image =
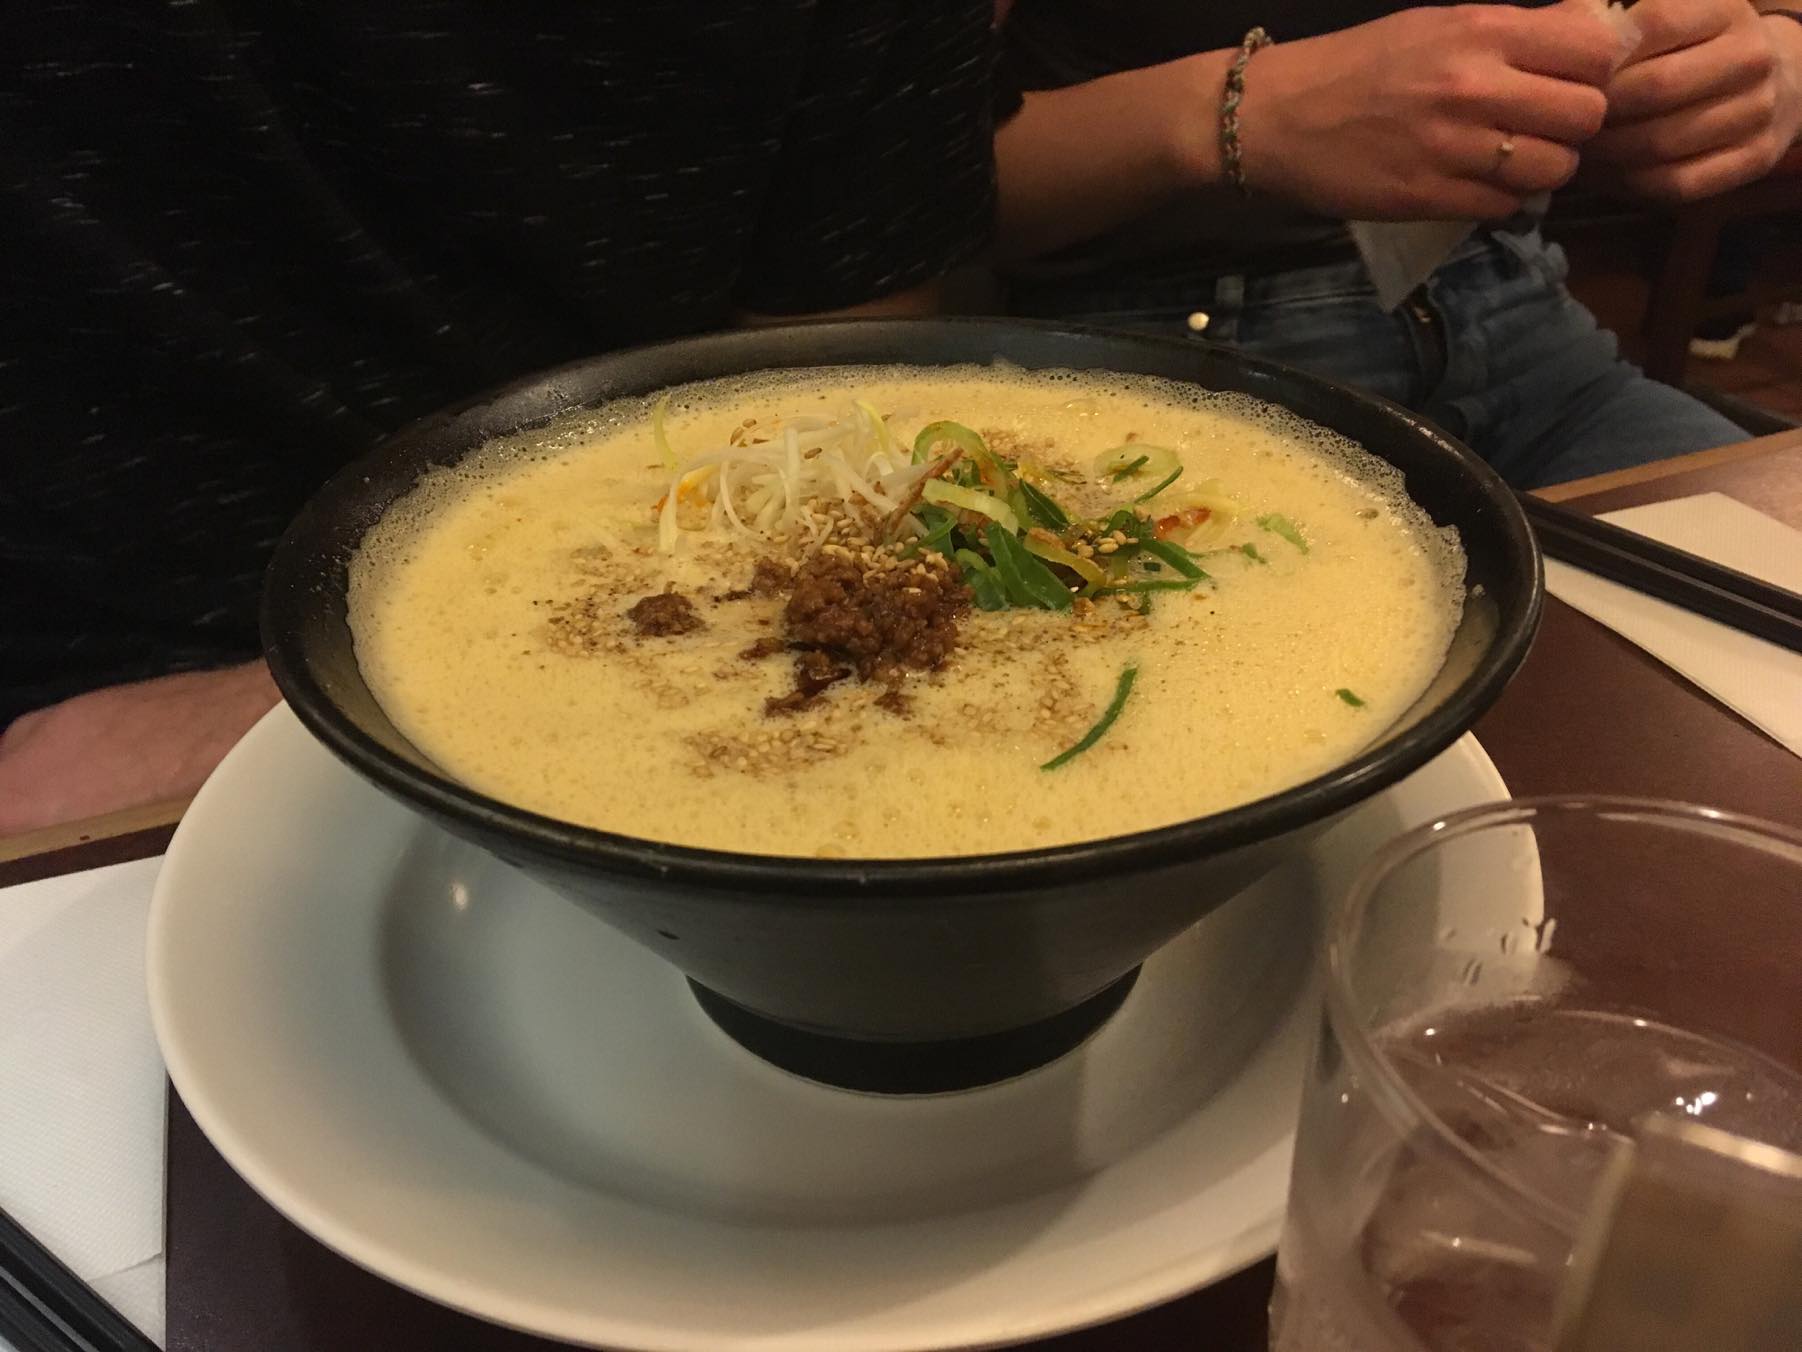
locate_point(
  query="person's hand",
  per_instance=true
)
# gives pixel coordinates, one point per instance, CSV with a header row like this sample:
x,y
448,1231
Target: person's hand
x,y
125,745
1406,117
1711,99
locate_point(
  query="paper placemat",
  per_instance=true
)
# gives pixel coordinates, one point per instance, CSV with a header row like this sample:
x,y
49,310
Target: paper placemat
x,y
81,1082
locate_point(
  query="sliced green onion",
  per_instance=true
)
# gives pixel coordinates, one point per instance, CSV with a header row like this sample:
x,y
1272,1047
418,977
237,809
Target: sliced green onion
x,y
660,438
1028,581
1013,582
1176,556
1083,568
1349,698
954,432
1036,469
1130,524
973,500
1168,479
985,587
1042,509
1283,526
1123,462
1017,500
1251,552
1122,688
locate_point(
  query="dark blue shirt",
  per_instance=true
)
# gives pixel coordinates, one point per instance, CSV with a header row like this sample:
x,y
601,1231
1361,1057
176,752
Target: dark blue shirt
x,y
244,240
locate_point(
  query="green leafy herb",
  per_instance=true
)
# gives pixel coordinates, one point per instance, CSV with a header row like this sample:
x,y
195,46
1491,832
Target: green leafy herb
x,y
1028,581
1251,552
1164,483
1349,698
939,524
1130,524
1042,509
1283,526
1176,556
1131,468
1052,552
985,587
1122,689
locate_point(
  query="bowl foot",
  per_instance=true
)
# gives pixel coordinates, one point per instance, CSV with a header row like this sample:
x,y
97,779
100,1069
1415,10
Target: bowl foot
x,y
913,1067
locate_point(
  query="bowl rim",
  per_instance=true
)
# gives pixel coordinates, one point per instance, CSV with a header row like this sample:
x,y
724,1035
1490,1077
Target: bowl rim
x,y
922,880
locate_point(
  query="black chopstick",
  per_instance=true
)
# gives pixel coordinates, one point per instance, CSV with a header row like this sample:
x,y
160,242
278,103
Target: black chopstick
x,y
1727,595
28,1329
44,1307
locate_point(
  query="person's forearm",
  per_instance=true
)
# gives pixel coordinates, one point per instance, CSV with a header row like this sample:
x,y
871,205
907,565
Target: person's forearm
x,y
1076,162
124,745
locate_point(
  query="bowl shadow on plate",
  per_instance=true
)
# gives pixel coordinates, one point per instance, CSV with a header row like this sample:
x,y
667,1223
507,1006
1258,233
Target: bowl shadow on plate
x,y
569,1044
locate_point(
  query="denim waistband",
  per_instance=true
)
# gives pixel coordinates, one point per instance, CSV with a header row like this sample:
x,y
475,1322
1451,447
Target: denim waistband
x,y
1174,290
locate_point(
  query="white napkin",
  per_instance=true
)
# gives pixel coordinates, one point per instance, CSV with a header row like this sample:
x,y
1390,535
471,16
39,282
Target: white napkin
x,y
81,1082
1400,255
1759,680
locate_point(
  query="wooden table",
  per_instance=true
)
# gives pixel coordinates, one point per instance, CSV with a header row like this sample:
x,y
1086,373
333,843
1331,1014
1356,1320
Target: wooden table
x,y
1589,711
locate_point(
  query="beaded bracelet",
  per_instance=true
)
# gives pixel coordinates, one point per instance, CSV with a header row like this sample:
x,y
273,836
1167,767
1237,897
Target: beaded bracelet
x,y
1256,39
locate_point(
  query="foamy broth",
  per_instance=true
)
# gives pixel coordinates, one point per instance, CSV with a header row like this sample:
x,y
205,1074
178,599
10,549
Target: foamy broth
x,y
488,610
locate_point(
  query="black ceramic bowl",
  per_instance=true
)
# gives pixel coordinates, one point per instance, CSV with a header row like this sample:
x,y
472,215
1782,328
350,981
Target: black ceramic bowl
x,y
909,974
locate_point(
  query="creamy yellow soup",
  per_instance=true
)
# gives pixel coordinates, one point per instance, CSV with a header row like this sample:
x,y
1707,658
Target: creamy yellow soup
x,y
493,614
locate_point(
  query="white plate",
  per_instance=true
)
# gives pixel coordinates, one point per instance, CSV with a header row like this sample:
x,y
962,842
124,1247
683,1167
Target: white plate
x,y
477,1090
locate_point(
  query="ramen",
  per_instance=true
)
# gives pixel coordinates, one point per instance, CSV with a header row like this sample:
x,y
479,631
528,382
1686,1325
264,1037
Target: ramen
x,y
903,612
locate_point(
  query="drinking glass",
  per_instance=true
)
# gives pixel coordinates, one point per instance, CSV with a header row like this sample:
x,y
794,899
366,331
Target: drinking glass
x,y
1510,992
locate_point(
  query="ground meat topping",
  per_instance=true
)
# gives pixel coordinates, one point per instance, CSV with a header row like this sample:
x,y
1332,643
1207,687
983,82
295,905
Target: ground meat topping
x,y
863,611
762,648
770,577
814,671
664,613
877,611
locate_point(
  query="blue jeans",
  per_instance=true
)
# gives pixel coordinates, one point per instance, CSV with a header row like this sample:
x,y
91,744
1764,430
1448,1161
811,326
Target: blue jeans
x,y
1500,355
